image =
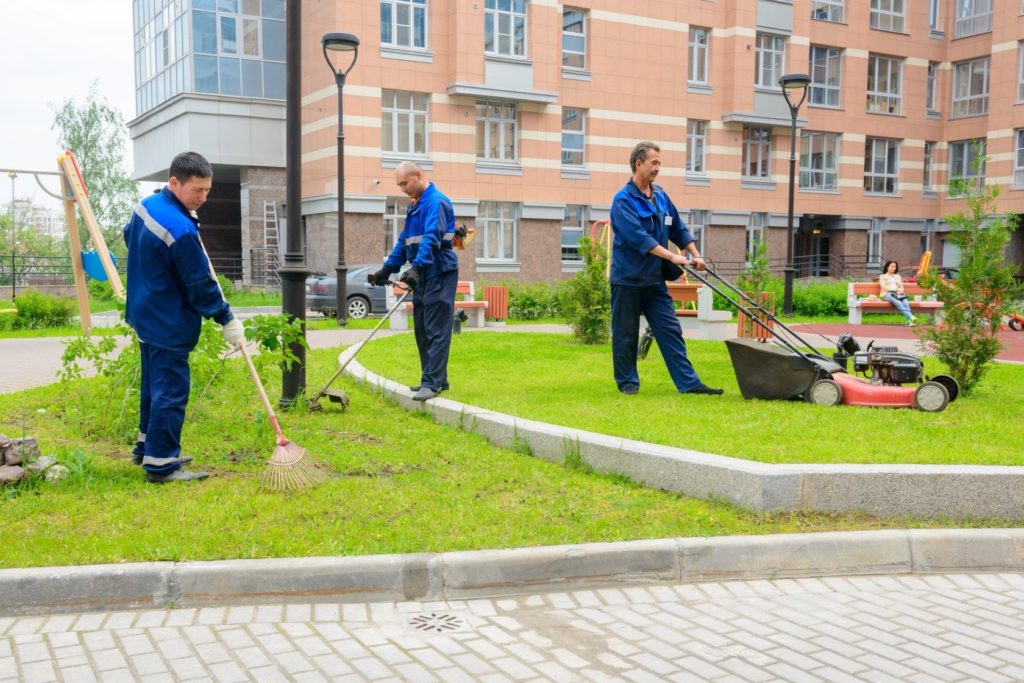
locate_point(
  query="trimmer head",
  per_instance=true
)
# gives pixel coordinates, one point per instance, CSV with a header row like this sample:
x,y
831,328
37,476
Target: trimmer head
x,y
333,395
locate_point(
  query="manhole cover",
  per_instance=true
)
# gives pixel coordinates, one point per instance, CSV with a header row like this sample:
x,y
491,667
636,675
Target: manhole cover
x,y
437,622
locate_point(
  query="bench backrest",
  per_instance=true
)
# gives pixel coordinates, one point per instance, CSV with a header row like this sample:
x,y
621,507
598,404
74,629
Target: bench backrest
x,y
684,292
463,291
865,288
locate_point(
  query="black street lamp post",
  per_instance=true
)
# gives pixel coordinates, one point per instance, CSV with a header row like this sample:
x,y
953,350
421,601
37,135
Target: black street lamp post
x,y
791,82
341,42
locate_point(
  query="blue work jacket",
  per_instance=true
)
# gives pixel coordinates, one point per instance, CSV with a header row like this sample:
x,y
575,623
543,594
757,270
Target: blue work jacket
x,y
639,226
426,241
171,286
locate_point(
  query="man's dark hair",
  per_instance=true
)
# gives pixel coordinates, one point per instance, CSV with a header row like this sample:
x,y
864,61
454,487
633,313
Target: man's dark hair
x,y
640,153
190,165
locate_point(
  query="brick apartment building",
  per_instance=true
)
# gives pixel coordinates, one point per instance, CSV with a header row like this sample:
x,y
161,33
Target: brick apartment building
x,y
524,113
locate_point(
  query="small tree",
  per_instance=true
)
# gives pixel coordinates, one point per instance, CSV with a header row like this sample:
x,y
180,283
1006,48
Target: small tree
x,y
755,275
95,133
588,297
983,292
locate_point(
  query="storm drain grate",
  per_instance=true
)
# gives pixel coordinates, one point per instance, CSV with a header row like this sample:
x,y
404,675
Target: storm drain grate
x,y
437,622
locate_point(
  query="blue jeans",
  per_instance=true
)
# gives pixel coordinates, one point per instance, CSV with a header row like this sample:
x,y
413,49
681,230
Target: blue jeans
x,y
655,304
901,306
432,314
166,382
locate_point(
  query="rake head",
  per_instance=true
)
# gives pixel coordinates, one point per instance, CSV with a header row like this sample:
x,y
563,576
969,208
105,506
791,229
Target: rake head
x,y
292,468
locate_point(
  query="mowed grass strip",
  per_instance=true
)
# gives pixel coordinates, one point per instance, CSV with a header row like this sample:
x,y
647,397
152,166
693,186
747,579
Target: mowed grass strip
x,y
401,482
551,378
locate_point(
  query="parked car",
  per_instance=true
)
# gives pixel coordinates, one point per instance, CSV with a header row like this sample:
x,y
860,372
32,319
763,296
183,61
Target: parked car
x,y
363,298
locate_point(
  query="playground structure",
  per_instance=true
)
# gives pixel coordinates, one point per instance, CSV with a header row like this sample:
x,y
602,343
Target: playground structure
x,y
98,262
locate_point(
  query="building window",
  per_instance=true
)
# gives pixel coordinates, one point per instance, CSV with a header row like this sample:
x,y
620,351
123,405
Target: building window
x,y
966,165
970,88
395,209
574,136
696,146
699,39
884,76
933,15
697,224
496,131
827,10
404,122
881,165
505,28
825,68
757,152
769,60
496,231
574,39
887,15
403,23
875,244
755,233
972,17
929,92
1020,71
819,168
926,174
574,227
1018,165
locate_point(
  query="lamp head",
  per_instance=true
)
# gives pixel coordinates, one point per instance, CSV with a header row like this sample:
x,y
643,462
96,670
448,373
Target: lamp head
x,y
340,42
794,81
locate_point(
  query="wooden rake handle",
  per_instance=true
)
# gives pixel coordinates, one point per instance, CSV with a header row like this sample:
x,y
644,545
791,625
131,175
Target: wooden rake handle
x,y
281,440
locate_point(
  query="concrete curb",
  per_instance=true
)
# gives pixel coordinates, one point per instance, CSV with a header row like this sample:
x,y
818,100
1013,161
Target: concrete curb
x,y
495,573
953,491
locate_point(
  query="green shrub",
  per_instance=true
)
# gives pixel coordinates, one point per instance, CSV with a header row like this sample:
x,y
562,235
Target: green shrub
x,y
587,300
819,298
37,310
226,286
533,301
99,291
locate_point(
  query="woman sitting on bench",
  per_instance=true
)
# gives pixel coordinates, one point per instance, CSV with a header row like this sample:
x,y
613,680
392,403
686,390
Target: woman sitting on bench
x,y
891,285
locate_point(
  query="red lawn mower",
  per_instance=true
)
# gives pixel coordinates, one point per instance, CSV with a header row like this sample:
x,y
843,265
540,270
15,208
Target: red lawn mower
x,y
890,378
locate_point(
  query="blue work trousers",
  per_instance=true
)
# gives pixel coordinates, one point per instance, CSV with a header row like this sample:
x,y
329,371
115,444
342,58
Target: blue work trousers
x,y
901,306
432,315
163,396
655,304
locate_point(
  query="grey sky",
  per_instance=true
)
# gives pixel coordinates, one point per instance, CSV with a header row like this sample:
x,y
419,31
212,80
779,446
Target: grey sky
x,y
51,50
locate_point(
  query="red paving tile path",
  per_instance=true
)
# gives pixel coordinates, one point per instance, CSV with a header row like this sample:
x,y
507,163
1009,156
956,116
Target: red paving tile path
x,y
1013,342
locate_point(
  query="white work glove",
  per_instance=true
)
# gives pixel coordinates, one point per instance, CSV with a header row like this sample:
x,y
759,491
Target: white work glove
x,y
234,333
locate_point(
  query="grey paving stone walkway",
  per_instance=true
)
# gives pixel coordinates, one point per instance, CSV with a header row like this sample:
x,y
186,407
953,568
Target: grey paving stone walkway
x,y
881,628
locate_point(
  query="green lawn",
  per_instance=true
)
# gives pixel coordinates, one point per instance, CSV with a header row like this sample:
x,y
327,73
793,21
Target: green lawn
x,y
401,483
549,377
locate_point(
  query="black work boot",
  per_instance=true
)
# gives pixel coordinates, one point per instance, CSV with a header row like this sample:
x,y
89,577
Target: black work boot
x,y
175,475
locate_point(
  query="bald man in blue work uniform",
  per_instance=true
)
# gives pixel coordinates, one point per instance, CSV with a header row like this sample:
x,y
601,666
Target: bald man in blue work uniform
x,y
643,221
426,243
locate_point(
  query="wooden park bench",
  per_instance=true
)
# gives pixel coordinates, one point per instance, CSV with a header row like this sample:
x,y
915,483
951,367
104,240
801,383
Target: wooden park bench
x,y
922,301
464,301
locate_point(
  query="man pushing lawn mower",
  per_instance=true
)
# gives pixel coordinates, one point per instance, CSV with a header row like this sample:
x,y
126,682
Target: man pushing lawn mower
x,y
171,288
427,242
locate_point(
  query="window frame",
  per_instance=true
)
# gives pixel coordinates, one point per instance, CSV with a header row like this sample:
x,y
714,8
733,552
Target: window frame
x,y
412,115
763,148
754,235
888,19
882,101
394,220
1020,68
829,7
928,167
833,57
503,122
698,54
769,60
875,233
695,140
808,139
584,16
971,18
1018,165
885,176
963,106
931,88
415,7
697,223
492,22
485,222
582,133
582,214
961,168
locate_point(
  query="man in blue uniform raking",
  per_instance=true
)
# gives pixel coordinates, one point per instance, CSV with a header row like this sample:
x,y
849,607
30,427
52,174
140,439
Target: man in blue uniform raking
x,y
426,243
643,221
171,288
